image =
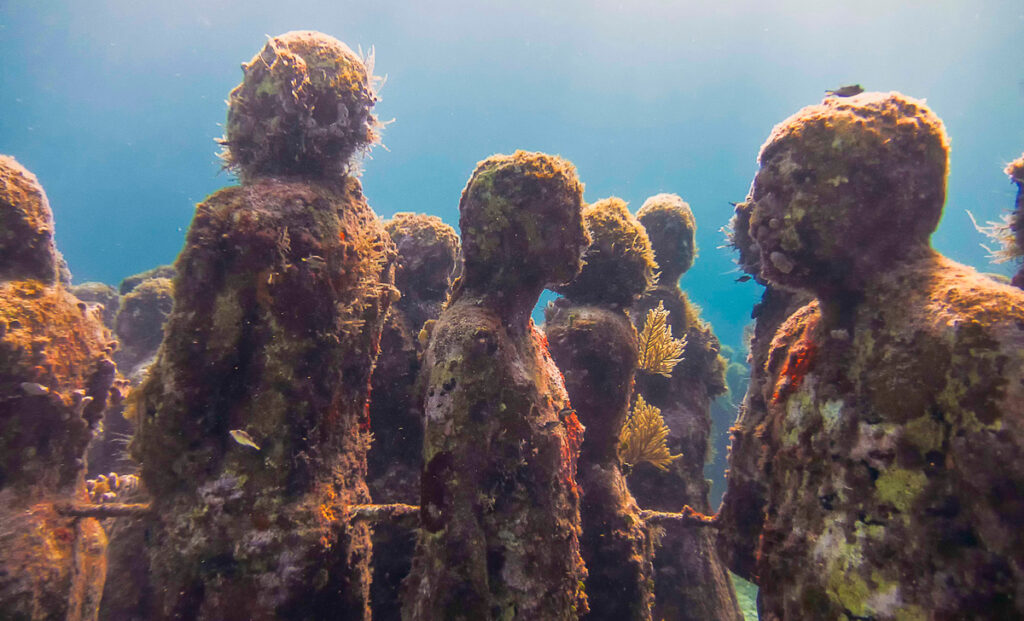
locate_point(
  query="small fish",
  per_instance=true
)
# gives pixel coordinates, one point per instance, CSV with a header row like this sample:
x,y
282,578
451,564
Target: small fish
x,y
846,91
565,413
734,204
243,438
744,278
552,425
315,262
33,389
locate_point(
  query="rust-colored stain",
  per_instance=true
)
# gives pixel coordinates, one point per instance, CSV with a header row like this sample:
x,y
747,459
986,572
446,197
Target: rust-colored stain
x,y
798,363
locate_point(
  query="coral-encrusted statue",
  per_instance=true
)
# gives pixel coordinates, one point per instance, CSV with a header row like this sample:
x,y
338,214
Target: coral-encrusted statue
x,y
741,515
690,581
595,345
1015,170
427,252
253,425
55,380
892,451
499,506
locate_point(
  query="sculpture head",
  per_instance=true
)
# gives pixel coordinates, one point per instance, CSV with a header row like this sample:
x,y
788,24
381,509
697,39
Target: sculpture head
x,y
618,265
846,189
671,228
521,222
303,108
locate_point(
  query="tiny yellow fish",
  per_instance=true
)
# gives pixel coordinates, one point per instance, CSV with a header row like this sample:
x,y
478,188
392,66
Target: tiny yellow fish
x,y
243,438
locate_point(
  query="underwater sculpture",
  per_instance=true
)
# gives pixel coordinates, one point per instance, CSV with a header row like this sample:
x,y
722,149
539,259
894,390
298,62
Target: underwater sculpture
x,y
499,522
741,514
55,381
690,581
1015,170
253,422
594,344
891,452
427,252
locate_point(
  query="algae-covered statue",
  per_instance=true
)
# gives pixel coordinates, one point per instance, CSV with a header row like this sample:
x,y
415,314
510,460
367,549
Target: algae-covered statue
x,y
427,253
1015,170
690,581
892,450
595,345
252,425
56,376
500,521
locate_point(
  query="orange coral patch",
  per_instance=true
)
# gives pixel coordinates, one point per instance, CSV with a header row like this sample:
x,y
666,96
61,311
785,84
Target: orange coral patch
x,y
793,372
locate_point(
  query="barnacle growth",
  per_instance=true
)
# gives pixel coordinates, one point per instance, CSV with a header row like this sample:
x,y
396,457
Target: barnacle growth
x,y
644,437
659,352
302,109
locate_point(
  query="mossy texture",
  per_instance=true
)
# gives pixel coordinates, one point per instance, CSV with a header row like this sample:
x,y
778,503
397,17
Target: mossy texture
x,y
670,224
303,109
55,381
619,263
500,522
684,399
27,250
595,347
520,222
279,299
1015,170
427,253
836,211
886,438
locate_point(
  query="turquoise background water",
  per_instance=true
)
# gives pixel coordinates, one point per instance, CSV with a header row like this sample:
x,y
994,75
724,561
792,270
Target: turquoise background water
x,y
115,105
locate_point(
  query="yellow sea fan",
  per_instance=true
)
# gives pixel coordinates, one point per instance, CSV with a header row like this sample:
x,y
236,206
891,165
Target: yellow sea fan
x,y
659,352
644,436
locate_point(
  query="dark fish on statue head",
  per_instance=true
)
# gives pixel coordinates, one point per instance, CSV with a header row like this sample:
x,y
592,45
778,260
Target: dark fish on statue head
x,y
846,91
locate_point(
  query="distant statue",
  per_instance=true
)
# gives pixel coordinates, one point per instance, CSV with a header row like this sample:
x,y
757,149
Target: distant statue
x,y
891,452
253,422
500,522
690,581
1015,170
56,376
595,345
427,253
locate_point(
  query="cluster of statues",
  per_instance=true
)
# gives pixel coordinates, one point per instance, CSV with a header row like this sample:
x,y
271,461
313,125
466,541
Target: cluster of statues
x,y
349,418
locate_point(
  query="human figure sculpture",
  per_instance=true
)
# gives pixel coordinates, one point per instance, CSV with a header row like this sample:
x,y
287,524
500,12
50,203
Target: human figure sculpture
x,y
427,251
500,520
252,423
740,516
690,581
594,344
892,441
56,376
1015,171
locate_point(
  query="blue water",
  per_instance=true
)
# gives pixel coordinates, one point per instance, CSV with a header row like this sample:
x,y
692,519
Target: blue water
x,y
116,105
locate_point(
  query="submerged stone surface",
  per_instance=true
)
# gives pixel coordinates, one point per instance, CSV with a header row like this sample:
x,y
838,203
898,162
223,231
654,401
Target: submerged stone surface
x,y
427,253
1015,170
740,516
891,453
253,423
595,347
499,504
55,381
690,581
302,109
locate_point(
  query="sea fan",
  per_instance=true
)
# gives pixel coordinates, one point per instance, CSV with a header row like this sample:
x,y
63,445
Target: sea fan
x,y
1000,232
659,352
644,437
